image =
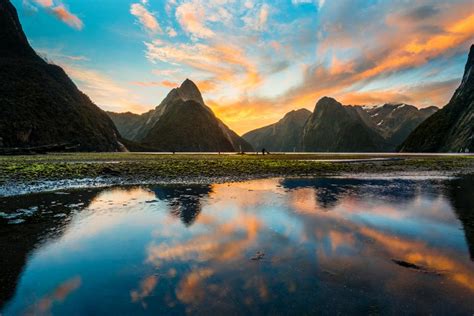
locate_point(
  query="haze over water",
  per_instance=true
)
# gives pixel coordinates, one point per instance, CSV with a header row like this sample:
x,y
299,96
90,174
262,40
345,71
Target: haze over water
x,y
275,246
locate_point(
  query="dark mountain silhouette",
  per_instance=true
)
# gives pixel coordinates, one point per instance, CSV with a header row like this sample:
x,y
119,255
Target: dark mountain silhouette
x,y
451,129
39,104
283,136
379,128
463,205
334,127
182,122
396,121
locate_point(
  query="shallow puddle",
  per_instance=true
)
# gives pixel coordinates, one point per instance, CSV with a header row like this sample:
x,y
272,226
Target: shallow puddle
x,y
276,246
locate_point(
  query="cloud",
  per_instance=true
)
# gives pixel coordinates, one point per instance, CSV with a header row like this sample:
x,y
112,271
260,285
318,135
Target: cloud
x,y
102,89
67,17
145,17
165,72
219,62
192,18
169,84
59,10
239,50
171,32
45,3
257,19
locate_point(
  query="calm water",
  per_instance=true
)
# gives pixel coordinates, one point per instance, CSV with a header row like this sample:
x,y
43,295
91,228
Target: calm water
x,y
277,246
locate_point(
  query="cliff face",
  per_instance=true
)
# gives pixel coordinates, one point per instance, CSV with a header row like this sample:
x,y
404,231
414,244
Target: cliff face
x,y
39,104
283,136
336,128
451,129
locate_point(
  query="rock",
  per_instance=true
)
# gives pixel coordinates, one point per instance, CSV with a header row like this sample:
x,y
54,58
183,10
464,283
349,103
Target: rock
x,y
111,172
258,256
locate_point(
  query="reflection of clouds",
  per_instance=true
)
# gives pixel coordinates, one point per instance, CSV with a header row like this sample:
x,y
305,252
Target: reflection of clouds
x,y
303,201
367,222
44,305
420,253
206,266
103,212
341,228
329,191
220,241
191,288
146,288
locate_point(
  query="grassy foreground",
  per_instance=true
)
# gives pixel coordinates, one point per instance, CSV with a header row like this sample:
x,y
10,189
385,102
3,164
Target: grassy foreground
x,y
137,166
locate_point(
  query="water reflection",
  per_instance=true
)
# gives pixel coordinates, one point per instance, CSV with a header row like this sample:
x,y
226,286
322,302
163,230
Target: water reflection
x,y
325,246
463,205
184,201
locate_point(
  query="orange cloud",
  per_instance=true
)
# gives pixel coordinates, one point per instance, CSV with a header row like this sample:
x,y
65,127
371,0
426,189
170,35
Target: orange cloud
x,y
164,83
192,18
227,63
45,3
60,11
169,84
67,17
146,18
418,52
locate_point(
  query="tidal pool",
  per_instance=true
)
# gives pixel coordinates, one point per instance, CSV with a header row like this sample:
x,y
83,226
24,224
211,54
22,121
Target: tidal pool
x,y
275,246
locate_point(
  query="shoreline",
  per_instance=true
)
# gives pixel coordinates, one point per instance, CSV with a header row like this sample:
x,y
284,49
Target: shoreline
x,y
20,175
50,186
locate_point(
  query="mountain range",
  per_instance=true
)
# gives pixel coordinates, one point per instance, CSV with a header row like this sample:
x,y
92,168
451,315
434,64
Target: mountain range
x,y
334,127
39,104
283,136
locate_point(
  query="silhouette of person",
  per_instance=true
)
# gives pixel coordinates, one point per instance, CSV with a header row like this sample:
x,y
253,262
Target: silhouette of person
x,y
263,151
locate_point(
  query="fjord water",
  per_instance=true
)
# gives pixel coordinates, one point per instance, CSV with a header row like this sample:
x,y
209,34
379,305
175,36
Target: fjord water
x,y
275,246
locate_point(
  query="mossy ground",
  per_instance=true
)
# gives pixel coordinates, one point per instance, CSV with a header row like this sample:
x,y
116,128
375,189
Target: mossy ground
x,y
138,166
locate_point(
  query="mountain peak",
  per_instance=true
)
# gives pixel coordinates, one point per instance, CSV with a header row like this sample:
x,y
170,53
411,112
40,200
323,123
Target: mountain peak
x,y
13,41
297,114
327,102
189,91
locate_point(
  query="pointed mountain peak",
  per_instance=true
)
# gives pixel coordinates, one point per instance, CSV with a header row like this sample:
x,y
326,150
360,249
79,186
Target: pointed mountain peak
x,y
189,91
13,41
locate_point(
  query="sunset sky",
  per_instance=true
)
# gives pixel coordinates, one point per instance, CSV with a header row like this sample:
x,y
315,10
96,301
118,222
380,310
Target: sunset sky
x,y
255,60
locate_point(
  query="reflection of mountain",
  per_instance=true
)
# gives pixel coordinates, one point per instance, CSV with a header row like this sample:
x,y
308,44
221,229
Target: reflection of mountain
x,y
184,202
460,193
330,190
25,237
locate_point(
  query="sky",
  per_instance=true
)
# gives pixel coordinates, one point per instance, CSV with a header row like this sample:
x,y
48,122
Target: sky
x,y
255,60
